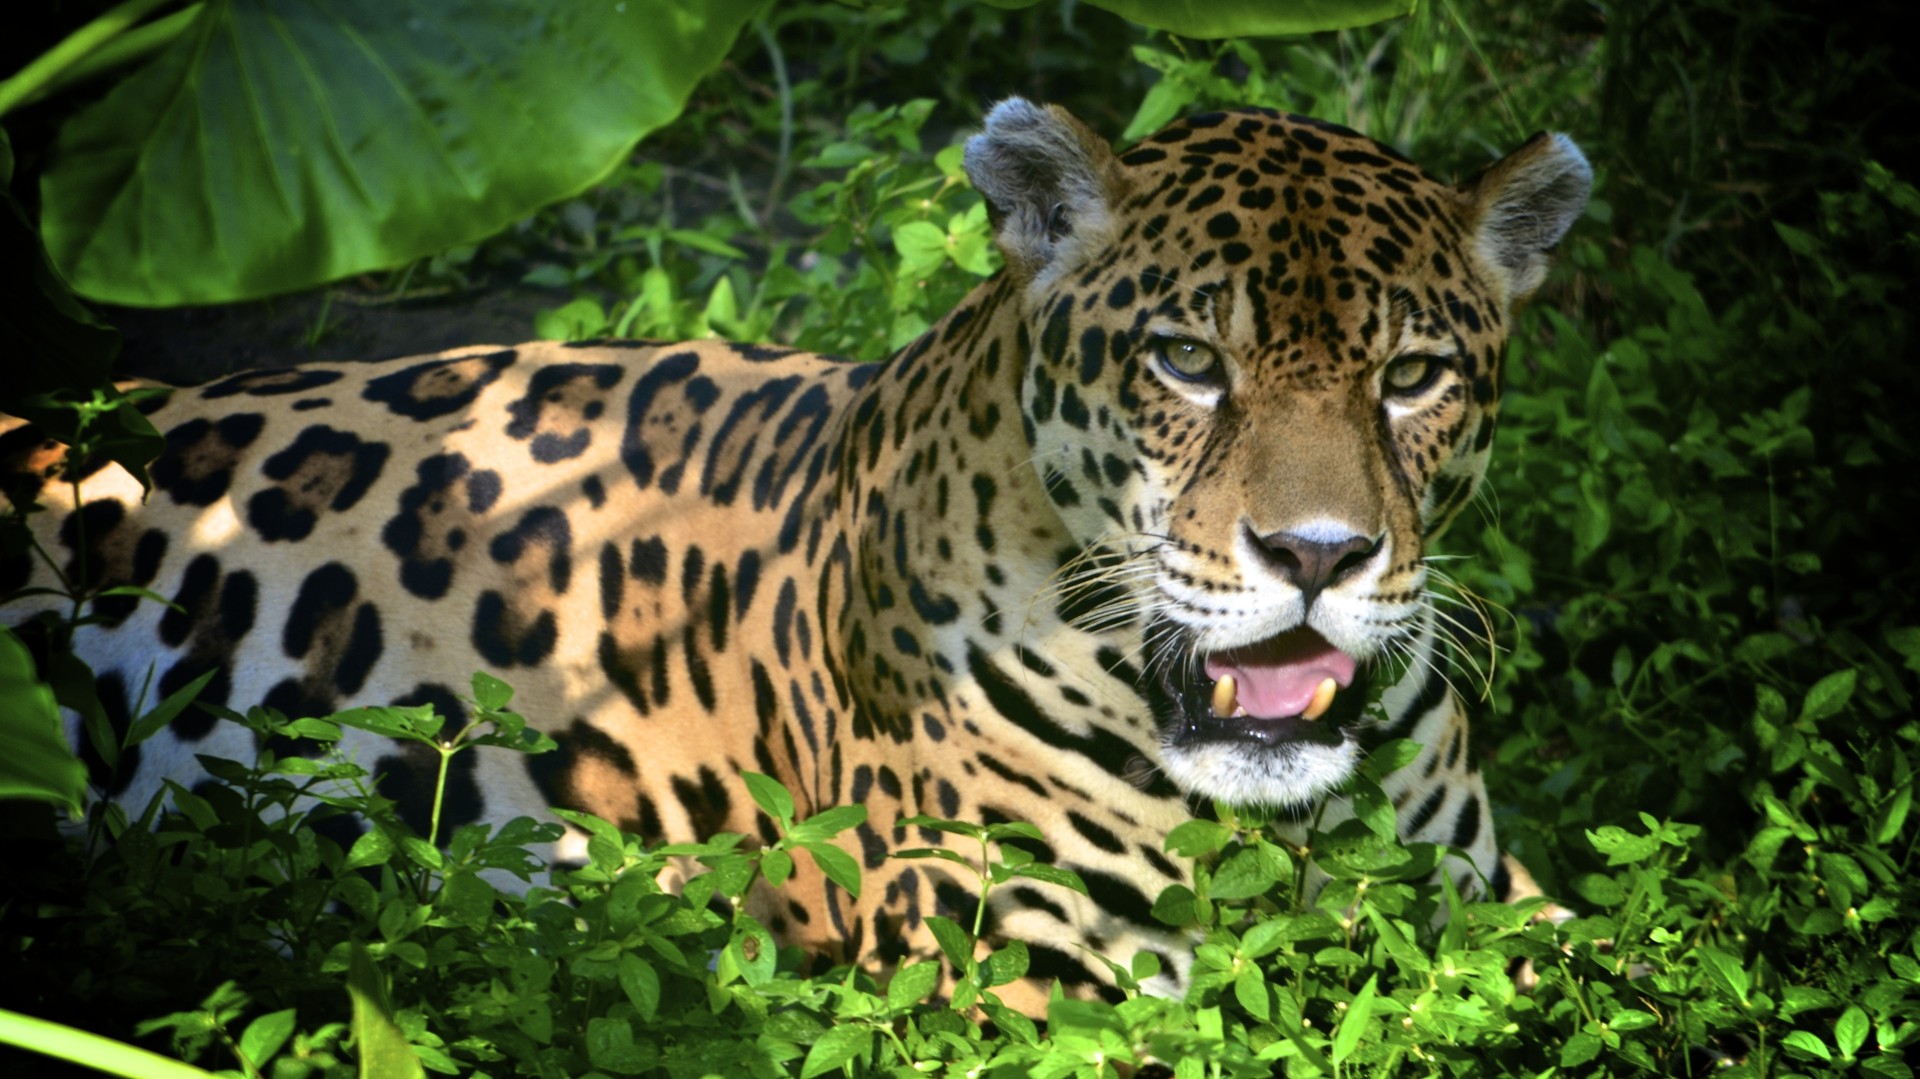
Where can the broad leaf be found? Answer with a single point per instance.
(265, 1035)
(1052, 874)
(912, 984)
(372, 848)
(489, 692)
(1354, 1024)
(830, 822)
(837, 864)
(777, 865)
(278, 144)
(35, 761)
(641, 983)
(837, 1047)
(770, 796)
(1197, 838)
(1829, 695)
(955, 943)
(1008, 963)
(1252, 871)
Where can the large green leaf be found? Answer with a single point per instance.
(279, 144)
(1245, 18)
(35, 761)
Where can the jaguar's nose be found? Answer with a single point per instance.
(1313, 563)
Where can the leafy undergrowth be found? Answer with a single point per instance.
(1791, 958)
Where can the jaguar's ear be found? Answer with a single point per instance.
(1522, 205)
(1049, 182)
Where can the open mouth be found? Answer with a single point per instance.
(1294, 687)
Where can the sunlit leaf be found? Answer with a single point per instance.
(835, 1048)
(265, 1035)
(769, 795)
(955, 943)
(1354, 1023)
(278, 144)
(912, 984)
(837, 864)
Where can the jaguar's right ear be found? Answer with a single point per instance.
(1523, 204)
(1050, 185)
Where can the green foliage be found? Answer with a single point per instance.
(491, 725)
(99, 423)
(606, 971)
(1348, 976)
(165, 191)
(975, 976)
(270, 147)
(915, 234)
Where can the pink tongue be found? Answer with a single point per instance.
(1277, 677)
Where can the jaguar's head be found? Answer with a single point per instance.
(1263, 369)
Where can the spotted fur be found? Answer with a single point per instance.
(985, 580)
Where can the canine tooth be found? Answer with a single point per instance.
(1322, 699)
(1224, 694)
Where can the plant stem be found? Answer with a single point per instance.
(898, 1045)
(986, 886)
(246, 1065)
(45, 68)
(82, 574)
(784, 163)
(440, 792)
(124, 51)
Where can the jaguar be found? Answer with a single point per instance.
(1141, 525)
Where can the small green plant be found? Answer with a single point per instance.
(99, 425)
(492, 725)
(975, 976)
(897, 241)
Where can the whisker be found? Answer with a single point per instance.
(1479, 629)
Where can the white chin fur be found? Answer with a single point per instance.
(1243, 774)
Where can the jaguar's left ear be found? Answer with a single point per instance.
(1523, 204)
(1050, 185)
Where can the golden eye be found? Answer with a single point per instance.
(1189, 361)
(1410, 375)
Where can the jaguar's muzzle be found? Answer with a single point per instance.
(1288, 689)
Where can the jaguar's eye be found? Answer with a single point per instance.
(1188, 361)
(1411, 375)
